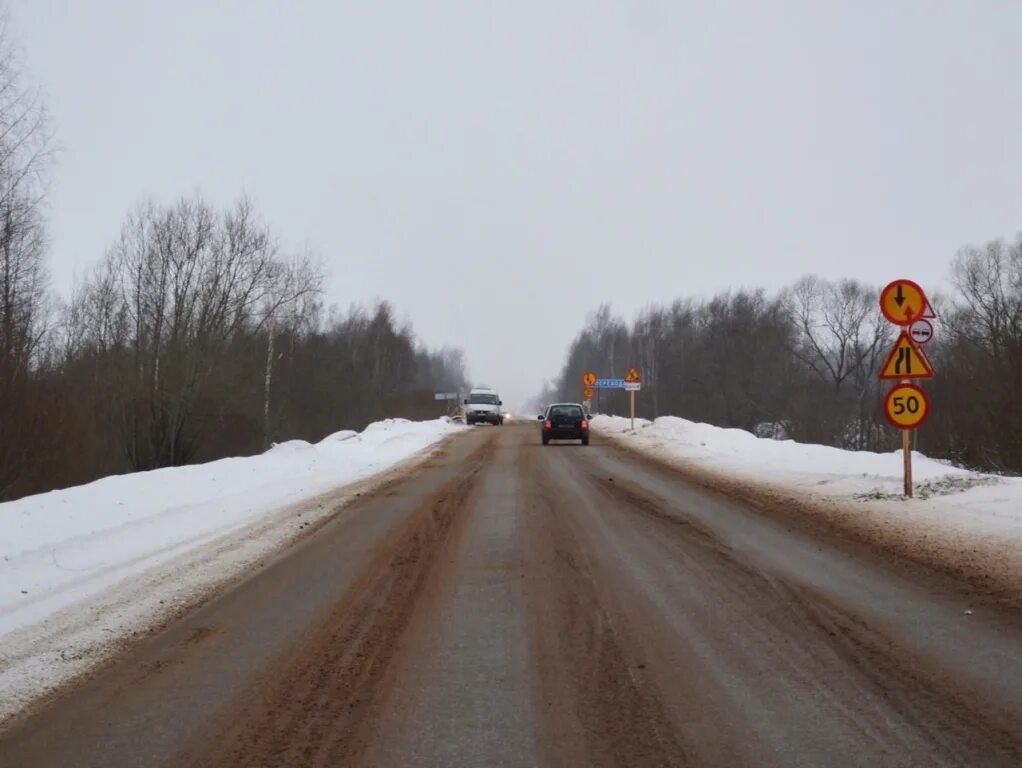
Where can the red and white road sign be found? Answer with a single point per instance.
(921, 331)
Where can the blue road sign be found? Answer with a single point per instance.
(610, 383)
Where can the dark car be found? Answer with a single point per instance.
(565, 421)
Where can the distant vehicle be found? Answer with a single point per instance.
(565, 421)
(483, 406)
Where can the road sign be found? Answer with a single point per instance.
(633, 386)
(588, 378)
(633, 375)
(921, 331)
(588, 392)
(906, 406)
(903, 302)
(587, 405)
(906, 361)
(610, 384)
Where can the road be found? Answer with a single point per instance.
(508, 604)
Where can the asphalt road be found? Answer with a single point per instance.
(508, 604)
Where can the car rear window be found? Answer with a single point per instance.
(571, 411)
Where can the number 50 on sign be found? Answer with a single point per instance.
(906, 406)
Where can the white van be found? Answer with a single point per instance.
(483, 405)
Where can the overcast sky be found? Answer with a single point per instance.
(496, 170)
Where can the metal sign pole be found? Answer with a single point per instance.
(632, 407)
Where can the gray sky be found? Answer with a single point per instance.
(498, 169)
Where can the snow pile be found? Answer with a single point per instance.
(946, 496)
(71, 561)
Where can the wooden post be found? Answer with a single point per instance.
(906, 449)
(632, 407)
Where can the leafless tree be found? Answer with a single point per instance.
(187, 284)
(295, 287)
(841, 336)
(25, 152)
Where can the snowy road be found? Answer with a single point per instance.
(510, 604)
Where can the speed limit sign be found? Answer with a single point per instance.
(906, 406)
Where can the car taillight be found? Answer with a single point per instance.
(548, 424)
(585, 424)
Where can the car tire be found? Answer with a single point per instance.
(546, 440)
(585, 441)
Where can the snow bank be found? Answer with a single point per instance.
(947, 497)
(70, 560)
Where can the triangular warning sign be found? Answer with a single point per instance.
(906, 361)
(928, 313)
(633, 375)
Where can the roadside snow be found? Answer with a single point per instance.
(82, 568)
(949, 499)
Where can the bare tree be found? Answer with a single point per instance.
(25, 153)
(649, 334)
(295, 286)
(180, 290)
(980, 360)
(840, 338)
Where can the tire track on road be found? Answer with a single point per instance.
(315, 708)
(837, 656)
(597, 704)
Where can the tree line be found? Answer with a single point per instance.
(803, 363)
(195, 336)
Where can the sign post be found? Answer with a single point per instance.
(633, 383)
(446, 397)
(906, 406)
(906, 453)
(588, 385)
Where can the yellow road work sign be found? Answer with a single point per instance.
(906, 361)
(903, 302)
(633, 375)
(906, 406)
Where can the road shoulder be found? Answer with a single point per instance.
(44, 661)
(991, 567)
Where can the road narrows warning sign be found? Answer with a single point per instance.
(906, 361)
